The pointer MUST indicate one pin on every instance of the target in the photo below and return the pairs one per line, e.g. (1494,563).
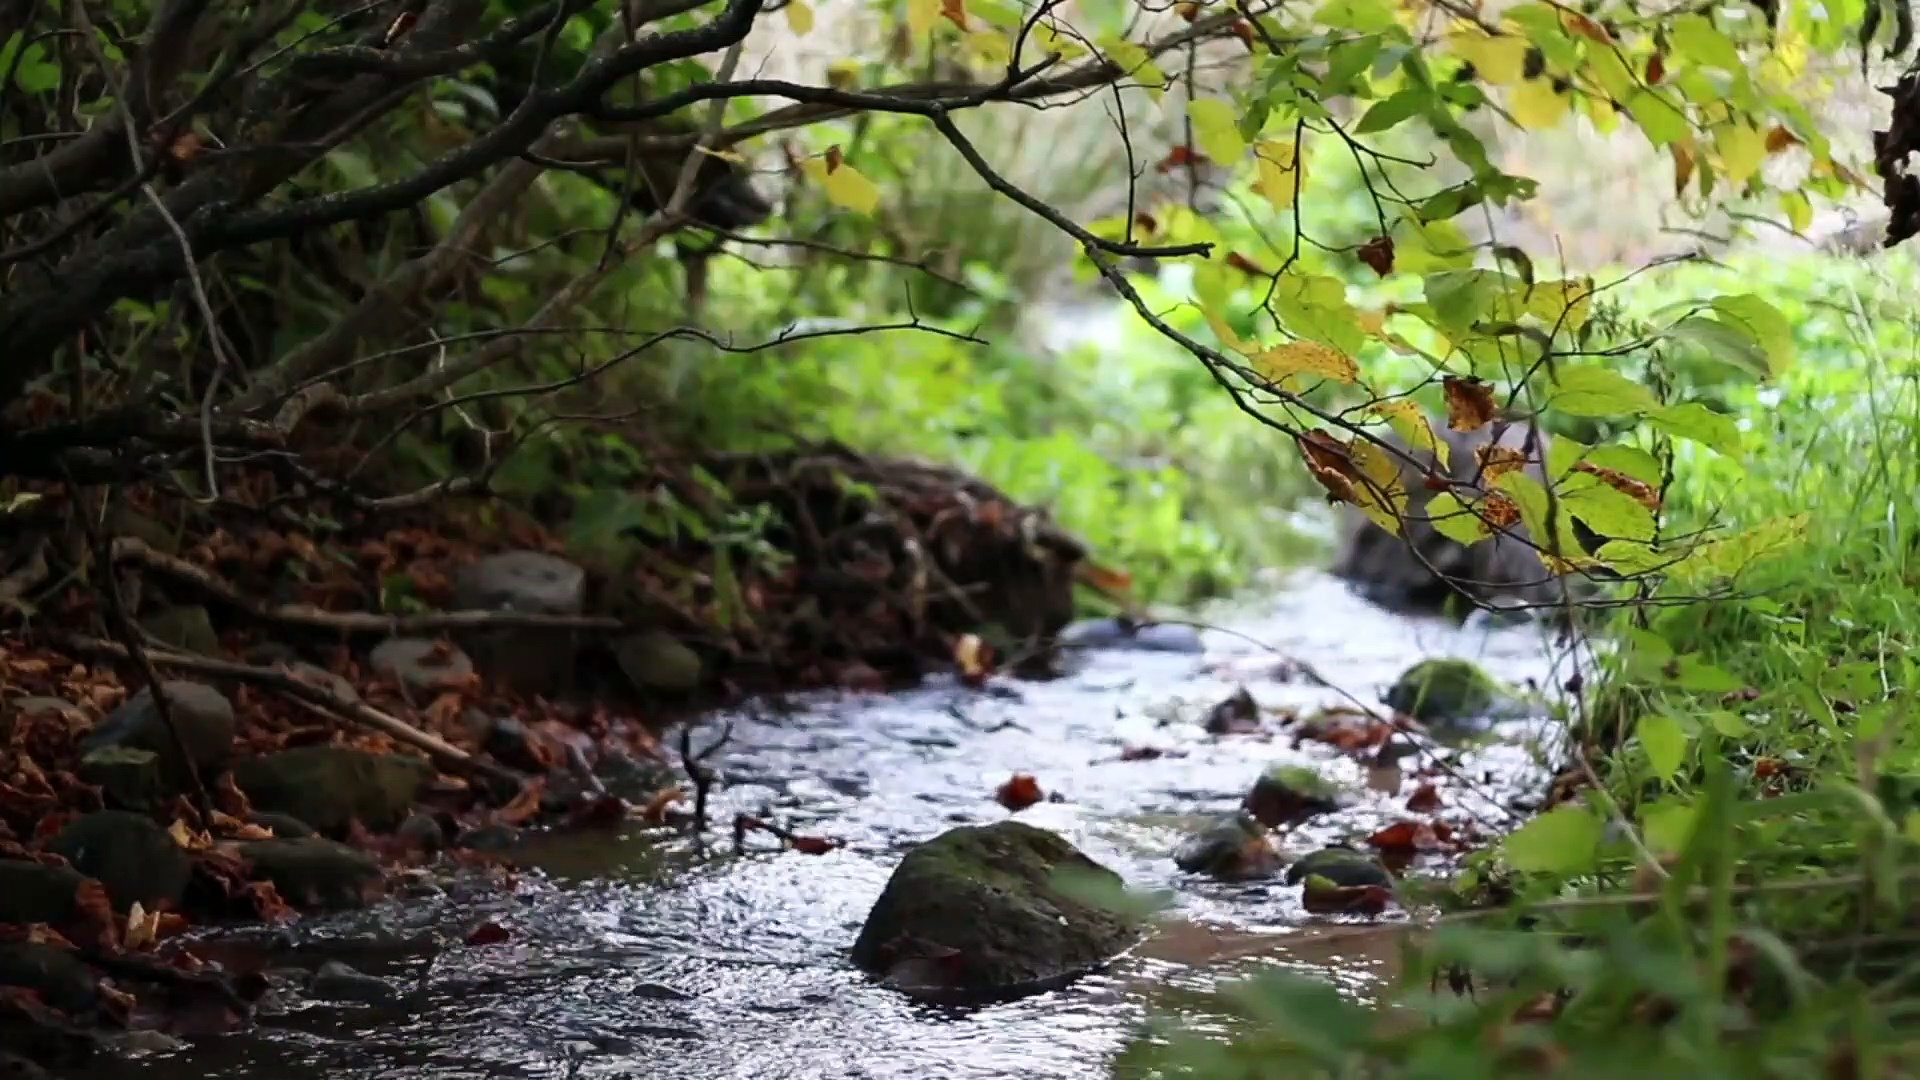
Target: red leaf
(1424,800)
(1656,69)
(489,933)
(1406,836)
(1180,157)
(1019,792)
(815,845)
(1377,253)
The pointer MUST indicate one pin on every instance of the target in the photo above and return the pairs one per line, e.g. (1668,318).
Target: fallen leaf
(1406,836)
(1424,800)
(974,658)
(655,812)
(815,845)
(143,928)
(1019,792)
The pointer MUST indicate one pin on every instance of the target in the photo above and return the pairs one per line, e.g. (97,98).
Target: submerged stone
(1452,693)
(1119,635)
(1004,907)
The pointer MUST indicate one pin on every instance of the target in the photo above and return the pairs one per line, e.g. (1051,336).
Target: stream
(633,954)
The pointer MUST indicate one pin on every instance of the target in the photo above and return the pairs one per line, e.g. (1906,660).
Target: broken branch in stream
(333,703)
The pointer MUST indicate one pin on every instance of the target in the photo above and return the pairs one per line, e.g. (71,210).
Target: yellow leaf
(1276,161)
(1536,106)
(1136,64)
(182,835)
(1410,420)
(1742,148)
(921,15)
(1683,158)
(1054,42)
(1499,61)
(799,17)
(842,74)
(1374,323)
(1382,496)
(1225,333)
(1799,210)
(845,186)
(1216,130)
(1283,362)
(988,46)
(1563,305)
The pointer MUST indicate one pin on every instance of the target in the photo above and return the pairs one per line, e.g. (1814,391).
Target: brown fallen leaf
(1424,800)
(1406,836)
(1019,792)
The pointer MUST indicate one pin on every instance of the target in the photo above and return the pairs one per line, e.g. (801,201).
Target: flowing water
(634,955)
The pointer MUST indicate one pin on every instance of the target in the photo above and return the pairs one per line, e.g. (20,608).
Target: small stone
(1232,849)
(656,660)
(330,787)
(423,832)
(128,778)
(528,661)
(186,628)
(422,665)
(131,854)
(1117,635)
(1290,794)
(314,873)
(1343,866)
(33,892)
(202,715)
(339,982)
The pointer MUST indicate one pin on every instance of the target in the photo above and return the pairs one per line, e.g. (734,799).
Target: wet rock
(631,778)
(995,907)
(1237,715)
(186,628)
(1343,866)
(314,873)
(657,661)
(131,854)
(336,981)
(202,715)
(59,976)
(1291,794)
(1451,693)
(142,1042)
(1232,849)
(33,892)
(422,665)
(282,825)
(128,778)
(1117,634)
(489,838)
(423,832)
(528,661)
(330,787)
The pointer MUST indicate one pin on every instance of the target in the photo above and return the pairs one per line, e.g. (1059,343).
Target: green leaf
(1596,391)
(1721,342)
(1692,420)
(1665,826)
(1694,37)
(1564,841)
(1216,130)
(1631,460)
(1730,724)
(1764,323)
(1394,110)
(1665,743)
(1606,510)
(1697,676)
(1661,120)
(1359,16)
(1631,557)
(1454,521)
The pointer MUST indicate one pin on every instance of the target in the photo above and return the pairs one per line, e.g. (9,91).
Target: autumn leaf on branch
(1360,473)
(1470,404)
(1284,365)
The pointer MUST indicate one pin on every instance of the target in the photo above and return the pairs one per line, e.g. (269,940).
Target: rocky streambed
(1210,778)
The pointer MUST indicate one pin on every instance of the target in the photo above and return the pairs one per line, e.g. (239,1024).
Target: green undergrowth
(1737,898)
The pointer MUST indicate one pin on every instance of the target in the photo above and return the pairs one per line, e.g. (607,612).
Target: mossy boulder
(329,787)
(1452,693)
(657,661)
(1343,866)
(998,908)
(314,873)
(131,854)
(128,778)
(1234,848)
(33,892)
(186,628)
(1291,794)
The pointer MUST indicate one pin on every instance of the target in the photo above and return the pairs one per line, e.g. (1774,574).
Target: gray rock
(131,854)
(527,661)
(330,787)
(338,982)
(656,660)
(142,1042)
(423,832)
(993,908)
(186,628)
(33,892)
(202,715)
(1151,637)
(128,778)
(313,873)
(422,665)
